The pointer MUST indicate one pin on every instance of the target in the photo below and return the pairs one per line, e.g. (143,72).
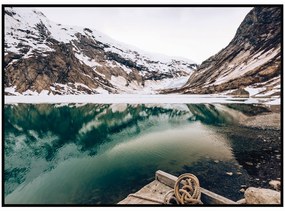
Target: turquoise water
(99,153)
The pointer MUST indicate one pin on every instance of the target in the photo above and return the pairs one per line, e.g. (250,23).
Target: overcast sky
(193,33)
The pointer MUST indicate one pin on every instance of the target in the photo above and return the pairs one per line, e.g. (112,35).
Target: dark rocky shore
(255,139)
(263,160)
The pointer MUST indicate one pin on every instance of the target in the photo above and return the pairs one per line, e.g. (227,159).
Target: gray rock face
(240,93)
(262,196)
(251,59)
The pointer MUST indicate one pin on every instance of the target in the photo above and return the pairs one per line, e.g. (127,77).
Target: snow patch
(100,90)
(11,90)
(87,60)
(83,85)
(254,91)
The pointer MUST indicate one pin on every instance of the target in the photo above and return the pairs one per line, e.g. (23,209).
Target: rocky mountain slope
(45,57)
(251,63)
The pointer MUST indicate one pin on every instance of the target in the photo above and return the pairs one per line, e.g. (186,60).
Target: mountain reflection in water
(99,153)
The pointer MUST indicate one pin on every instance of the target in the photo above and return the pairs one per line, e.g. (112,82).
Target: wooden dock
(154,192)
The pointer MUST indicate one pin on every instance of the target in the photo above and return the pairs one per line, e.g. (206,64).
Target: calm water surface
(99,153)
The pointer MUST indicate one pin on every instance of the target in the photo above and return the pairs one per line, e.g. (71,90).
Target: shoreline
(135,99)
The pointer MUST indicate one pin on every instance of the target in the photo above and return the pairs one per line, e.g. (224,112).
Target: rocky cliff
(249,65)
(46,57)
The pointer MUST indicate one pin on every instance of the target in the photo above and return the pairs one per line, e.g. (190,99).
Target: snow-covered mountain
(46,57)
(251,63)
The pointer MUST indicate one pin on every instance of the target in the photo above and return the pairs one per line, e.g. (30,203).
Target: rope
(186,191)
(169,198)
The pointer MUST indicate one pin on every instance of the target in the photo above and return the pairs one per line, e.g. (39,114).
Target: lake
(99,153)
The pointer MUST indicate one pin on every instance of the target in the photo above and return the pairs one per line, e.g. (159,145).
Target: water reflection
(99,153)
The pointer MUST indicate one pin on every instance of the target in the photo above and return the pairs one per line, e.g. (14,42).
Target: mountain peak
(41,55)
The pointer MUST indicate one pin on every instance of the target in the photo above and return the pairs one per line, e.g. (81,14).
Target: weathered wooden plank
(206,195)
(152,193)
(213,198)
(165,178)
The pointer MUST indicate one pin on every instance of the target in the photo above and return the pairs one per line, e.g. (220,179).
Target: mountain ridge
(249,65)
(43,56)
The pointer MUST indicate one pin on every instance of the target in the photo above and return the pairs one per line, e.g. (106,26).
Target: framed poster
(106,105)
